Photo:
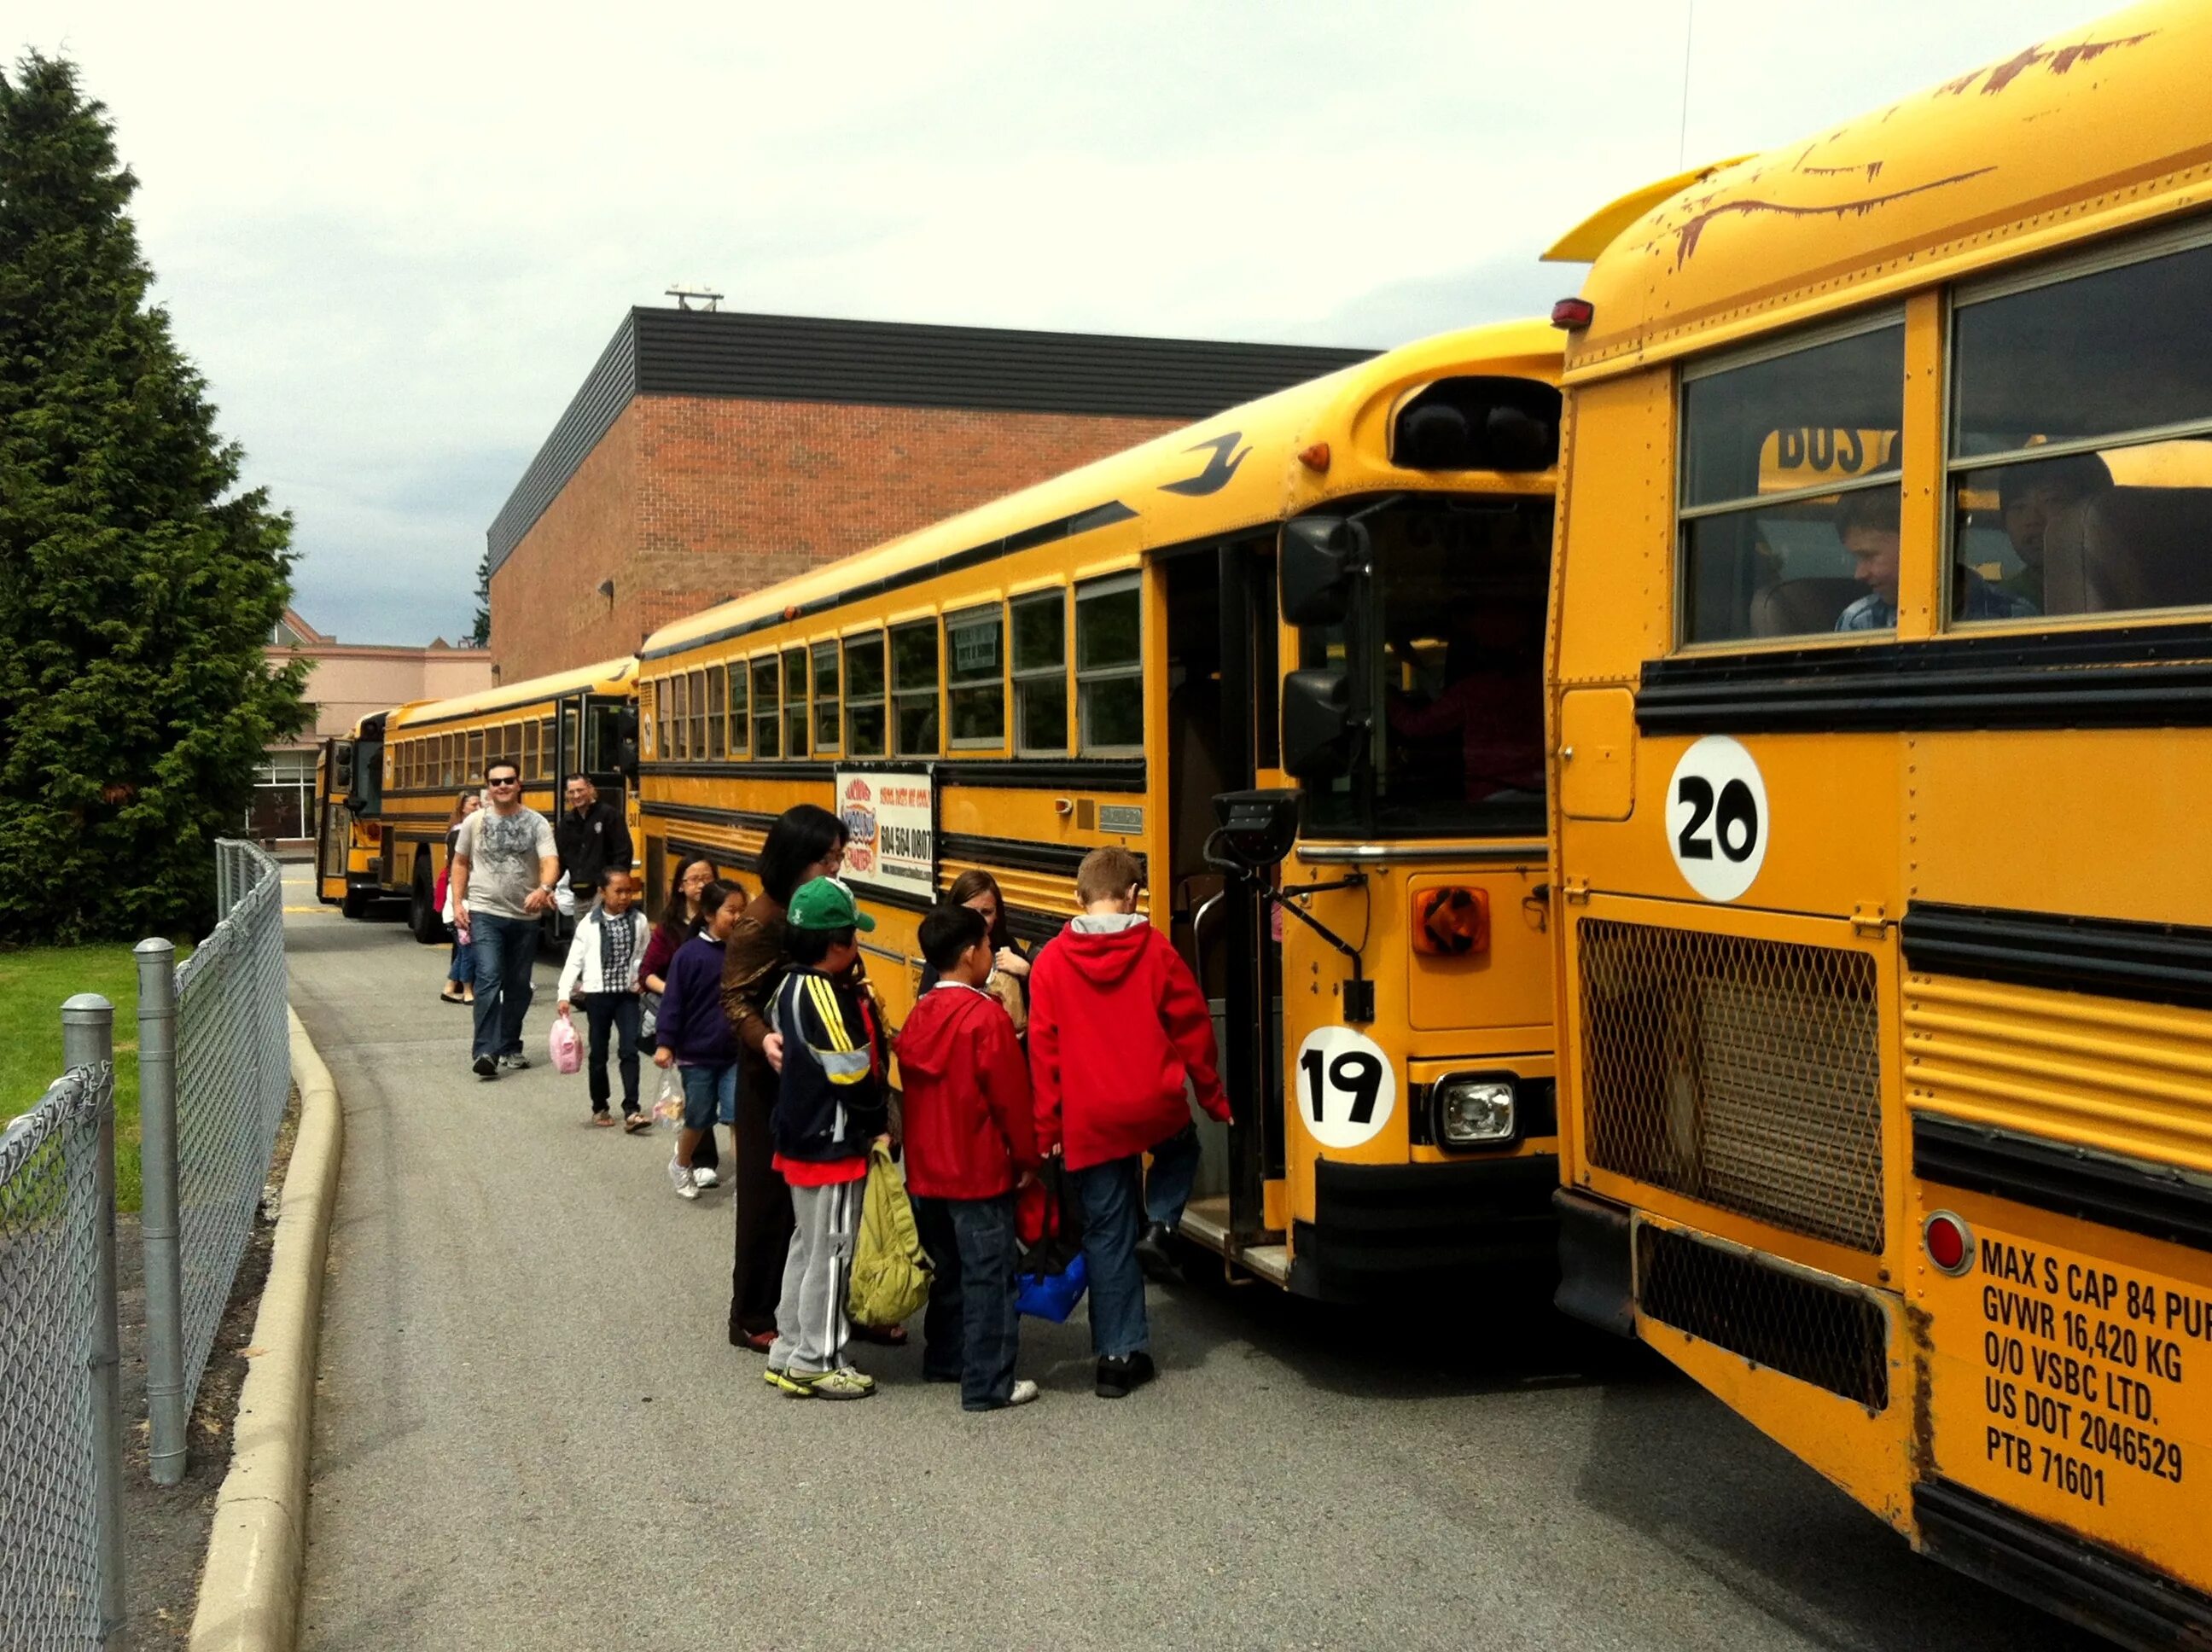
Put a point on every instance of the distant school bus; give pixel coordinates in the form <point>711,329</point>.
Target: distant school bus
<point>348,837</point>
<point>1884,809</point>
<point>433,750</point>
<point>1326,605</point>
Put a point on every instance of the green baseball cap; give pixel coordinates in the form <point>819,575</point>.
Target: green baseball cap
<point>825,903</point>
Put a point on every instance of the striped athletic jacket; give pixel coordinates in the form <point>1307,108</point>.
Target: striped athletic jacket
<point>830,1101</point>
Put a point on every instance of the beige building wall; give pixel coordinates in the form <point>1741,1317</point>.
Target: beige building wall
<point>346,682</point>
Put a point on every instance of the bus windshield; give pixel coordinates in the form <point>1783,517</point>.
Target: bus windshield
<point>1453,660</point>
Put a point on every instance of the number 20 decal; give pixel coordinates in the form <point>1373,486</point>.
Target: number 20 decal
<point>1717,819</point>
<point>1347,1089</point>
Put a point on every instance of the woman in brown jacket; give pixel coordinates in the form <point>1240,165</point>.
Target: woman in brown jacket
<point>805,842</point>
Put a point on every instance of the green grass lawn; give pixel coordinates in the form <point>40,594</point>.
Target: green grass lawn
<point>33,982</point>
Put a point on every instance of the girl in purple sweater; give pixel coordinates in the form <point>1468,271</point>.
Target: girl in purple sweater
<point>695,1037</point>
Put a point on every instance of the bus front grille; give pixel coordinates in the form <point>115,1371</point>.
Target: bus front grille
<point>1819,1332</point>
<point>1742,1073</point>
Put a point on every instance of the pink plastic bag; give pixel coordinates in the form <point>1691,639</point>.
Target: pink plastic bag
<point>562,1044</point>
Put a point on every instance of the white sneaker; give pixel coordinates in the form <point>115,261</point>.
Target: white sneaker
<point>706,1176</point>
<point>689,1190</point>
<point>679,1177</point>
<point>1024,1391</point>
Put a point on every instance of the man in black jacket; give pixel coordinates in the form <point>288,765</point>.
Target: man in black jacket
<point>590,834</point>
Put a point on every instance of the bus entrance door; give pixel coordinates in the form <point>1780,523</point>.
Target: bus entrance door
<point>1220,733</point>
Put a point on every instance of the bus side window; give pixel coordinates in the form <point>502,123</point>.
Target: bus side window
<point>794,703</point>
<point>826,696</point>
<point>718,697</point>
<point>1773,451</point>
<point>740,724</point>
<point>975,695</point>
<point>914,689</point>
<point>2112,367</point>
<point>1109,679</point>
<point>1040,660</point>
<point>475,758</point>
<point>680,725</point>
<point>768,725</point>
<point>864,696</point>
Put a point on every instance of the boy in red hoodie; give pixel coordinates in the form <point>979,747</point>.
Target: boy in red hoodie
<point>969,1140</point>
<point>1117,1023</point>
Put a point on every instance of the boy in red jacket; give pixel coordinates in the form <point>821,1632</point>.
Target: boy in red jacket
<point>1117,1023</point>
<point>969,1140</point>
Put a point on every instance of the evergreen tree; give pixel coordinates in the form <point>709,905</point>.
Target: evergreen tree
<point>137,584</point>
<point>479,634</point>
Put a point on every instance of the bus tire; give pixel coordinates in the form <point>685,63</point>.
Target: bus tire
<point>423,917</point>
<point>355,903</point>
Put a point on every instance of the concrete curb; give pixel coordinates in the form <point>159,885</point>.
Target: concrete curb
<point>249,1597</point>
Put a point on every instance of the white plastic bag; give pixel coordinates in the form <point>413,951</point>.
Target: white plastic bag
<point>668,1105</point>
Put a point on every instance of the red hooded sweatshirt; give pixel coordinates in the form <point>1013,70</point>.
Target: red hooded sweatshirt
<point>1116,1023</point>
<point>967,1096</point>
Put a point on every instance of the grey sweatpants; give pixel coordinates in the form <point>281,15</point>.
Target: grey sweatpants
<point>817,1271</point>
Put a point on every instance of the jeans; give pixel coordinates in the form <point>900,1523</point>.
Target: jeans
<point>708,1093</point>
<point>461,968</point>
<point>971,1329</point>
<point>1113,1205</point>
<point>1175,1172</point>
<point>618,1011</point>
<point>506,949</point>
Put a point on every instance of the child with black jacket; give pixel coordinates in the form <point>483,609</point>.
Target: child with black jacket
<point>830,1110</point>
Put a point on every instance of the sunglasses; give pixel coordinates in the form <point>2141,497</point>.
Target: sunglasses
<point>504,782</point>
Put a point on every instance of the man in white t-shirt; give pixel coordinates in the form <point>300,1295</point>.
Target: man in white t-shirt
<point>505,867</point>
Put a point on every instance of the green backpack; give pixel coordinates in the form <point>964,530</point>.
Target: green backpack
<point>891,1271</point>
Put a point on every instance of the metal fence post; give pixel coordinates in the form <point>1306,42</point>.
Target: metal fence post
<point>89,1040</point>
<point>166,1407</point>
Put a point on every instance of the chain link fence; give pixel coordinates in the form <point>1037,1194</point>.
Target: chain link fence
<point>60,1566</point>
<point>232,1075</point>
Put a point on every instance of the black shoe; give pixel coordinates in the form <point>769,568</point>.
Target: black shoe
<point>1155,1259</point>
<point>485,1066</point>
<point>1119,1374</point>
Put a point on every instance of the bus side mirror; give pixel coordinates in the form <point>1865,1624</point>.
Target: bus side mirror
<point>1319,732</point>
<point>1322,557</point>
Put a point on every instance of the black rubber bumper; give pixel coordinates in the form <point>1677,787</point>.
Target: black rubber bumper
<point>1382,1227</point>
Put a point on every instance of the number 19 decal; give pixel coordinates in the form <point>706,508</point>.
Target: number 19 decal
<point>1346,1087</point>
<point>1716,819</point>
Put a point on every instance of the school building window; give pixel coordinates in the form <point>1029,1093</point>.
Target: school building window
<point>864,696</point>
<point>283,801</point>
<point>914,689</point>
<point>976,692</point>
<point>1039,653</point>
<point>1109,667</point>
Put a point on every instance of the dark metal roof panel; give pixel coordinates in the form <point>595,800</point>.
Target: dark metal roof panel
<point>668,352</point>
<point>897,364</point>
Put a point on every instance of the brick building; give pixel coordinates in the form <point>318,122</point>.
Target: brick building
<point>710,453</point>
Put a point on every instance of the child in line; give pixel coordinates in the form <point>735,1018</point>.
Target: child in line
<point>830,1110</point>
<point>970,1139</point>
<point>603,971</point>
<point>1116,1024</point>
<point>695,1034</point>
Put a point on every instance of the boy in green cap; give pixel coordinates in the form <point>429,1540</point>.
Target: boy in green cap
<point>830,1110</point>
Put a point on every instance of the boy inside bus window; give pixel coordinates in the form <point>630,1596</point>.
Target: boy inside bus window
<point>1867,522</point>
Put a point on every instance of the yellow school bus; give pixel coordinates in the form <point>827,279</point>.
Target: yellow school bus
<point>349,835</point>
<point>1881,679</point>
<point>1315,620</point>
<point>435,750</point>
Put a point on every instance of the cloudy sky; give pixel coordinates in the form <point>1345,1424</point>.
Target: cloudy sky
<point>395,238</point>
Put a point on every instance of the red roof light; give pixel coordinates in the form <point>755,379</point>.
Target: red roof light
<point>1572,313</point>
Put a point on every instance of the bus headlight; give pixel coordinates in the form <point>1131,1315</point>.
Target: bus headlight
<point>1473,1112</point>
